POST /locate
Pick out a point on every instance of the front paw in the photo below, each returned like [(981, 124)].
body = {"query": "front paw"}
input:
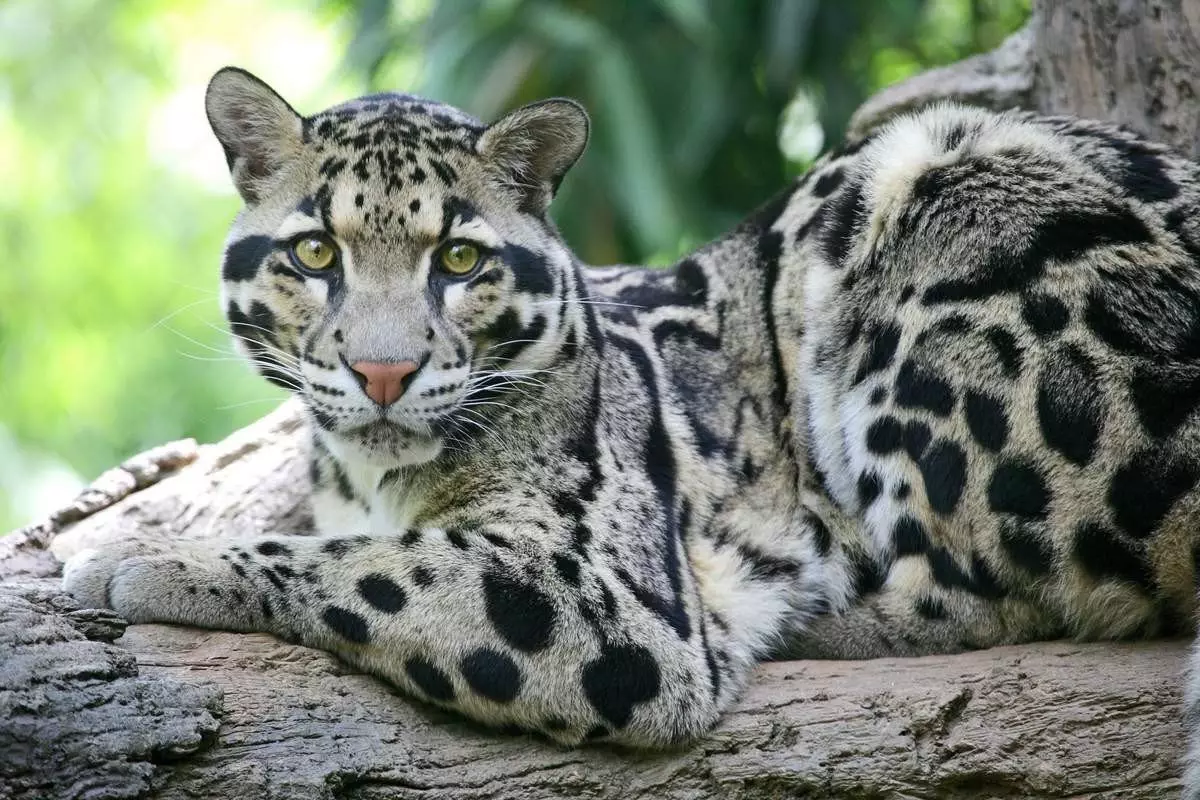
[(86, 576), (121, 577)]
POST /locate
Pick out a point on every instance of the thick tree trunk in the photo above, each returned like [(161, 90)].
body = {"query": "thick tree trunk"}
[(173, 712), (1135, 62)]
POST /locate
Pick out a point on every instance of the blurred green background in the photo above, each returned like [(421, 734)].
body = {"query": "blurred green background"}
[(115, 198)]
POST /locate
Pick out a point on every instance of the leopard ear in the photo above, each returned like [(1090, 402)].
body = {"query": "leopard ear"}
[(533, 147), (257, 128)]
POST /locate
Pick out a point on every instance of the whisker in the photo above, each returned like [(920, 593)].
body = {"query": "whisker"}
[(245, 403), (177, 312), (283, 355), (513, 341), (586, 302)]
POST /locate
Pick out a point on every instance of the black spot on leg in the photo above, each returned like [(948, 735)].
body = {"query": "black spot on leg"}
[(916, 439), (1143, 491), (522, 615), (1018, 487), (931, 608), (909, 537), (869, 574), (821, 534), (884, 436), (429, 679), (980, 580), (986, 419), (272, 577), (1008, 352), (917, 387), (1106, 556), (1028, 545), (338, 548), (347, 624), (596, 732), (1069, 403), (869, 486), (382, 593), (422, 577), (492, 675), (1165, 395), (944, 470), (622, 677)]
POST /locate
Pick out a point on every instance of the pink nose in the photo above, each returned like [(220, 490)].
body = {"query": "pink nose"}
[(384, 381)]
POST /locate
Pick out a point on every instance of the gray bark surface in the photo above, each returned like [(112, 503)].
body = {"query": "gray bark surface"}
[(1134, 62), (92, 709)]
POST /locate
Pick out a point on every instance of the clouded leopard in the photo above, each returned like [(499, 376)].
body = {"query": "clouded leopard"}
[(939, 394)]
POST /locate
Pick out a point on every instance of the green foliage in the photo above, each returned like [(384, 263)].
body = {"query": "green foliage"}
[(115, 201), (686, 95)]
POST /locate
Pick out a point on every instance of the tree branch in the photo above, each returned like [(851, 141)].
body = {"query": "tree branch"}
[(173, 712)]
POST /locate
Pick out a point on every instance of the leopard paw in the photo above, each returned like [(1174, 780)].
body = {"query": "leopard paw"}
[(86, 576), (136, 584)]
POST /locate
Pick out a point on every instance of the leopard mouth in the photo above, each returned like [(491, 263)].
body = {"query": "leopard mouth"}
[(384, 443), (384, 431)]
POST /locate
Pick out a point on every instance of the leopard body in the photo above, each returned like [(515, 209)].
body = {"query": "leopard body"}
[(939, 394)]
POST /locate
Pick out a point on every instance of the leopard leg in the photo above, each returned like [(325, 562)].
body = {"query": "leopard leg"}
[(922, 606), (503, 629)]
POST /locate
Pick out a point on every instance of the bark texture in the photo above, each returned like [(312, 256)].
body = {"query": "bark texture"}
[(1135, 62), (92, 709)]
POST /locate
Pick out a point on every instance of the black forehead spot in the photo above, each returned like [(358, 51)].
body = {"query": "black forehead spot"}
[(455, 208)]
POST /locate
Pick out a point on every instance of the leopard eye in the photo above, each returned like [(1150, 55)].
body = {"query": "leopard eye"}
[(314, 252), (458, 258)]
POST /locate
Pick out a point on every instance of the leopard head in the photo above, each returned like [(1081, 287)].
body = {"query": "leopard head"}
[(393, 264)]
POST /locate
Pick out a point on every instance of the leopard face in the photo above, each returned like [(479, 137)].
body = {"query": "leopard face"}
[(393, 265)]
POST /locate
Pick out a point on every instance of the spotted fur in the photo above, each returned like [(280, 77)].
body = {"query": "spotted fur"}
[(939, 394)]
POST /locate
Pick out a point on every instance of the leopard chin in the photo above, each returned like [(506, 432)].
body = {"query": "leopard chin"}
[(384, 444)]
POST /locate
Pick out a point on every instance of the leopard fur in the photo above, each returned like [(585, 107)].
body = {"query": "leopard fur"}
[(939, 394)]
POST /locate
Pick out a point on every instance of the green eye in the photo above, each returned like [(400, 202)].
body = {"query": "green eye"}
[(458, 258), (314, 252)]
